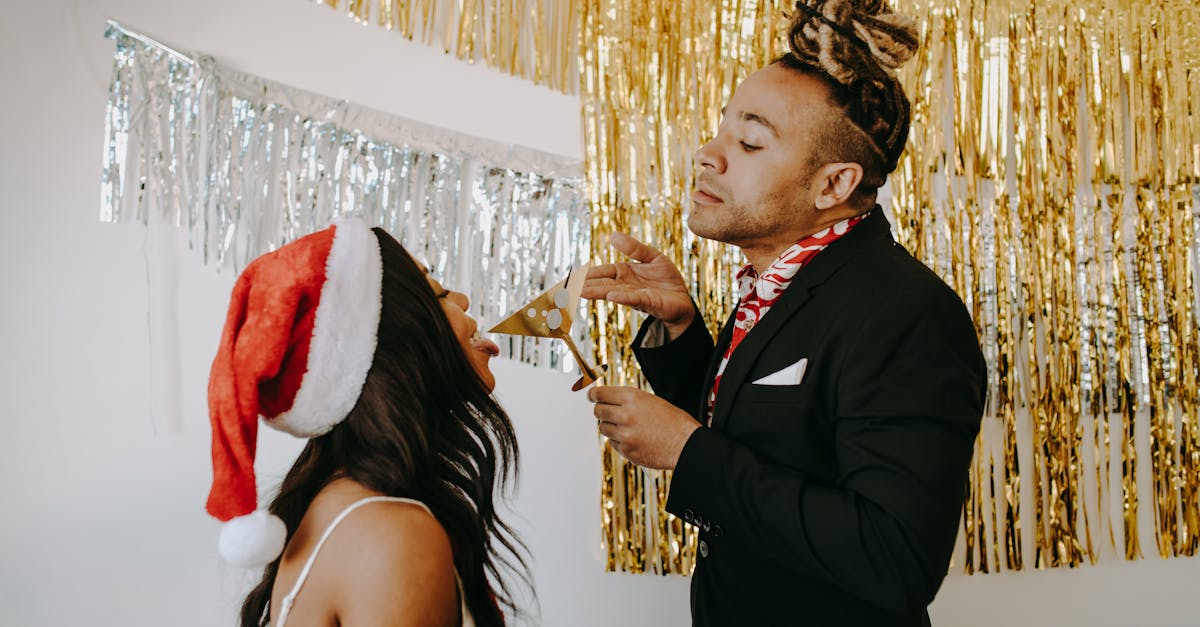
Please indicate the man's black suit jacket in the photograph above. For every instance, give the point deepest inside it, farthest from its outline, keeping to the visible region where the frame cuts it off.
(834, 502)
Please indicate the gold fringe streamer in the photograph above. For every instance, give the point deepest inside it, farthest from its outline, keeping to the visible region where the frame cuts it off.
(655, 75)
(1052, 178)
(534, 39)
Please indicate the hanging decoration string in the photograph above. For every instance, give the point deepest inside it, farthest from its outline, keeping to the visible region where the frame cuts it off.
(245, 165)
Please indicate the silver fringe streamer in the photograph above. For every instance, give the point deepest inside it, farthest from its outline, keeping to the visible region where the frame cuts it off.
(247, 165)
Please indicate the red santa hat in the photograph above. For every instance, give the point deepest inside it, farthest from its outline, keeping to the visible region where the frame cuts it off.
(299, 339)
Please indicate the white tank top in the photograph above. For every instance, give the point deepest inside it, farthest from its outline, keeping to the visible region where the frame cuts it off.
(290, 599)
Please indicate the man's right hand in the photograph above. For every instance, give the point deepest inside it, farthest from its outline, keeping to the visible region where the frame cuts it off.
(652, 284)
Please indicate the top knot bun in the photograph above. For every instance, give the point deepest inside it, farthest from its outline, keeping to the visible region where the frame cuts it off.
(859, 44)
(851, 40)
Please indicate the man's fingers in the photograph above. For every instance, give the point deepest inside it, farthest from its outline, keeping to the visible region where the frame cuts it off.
(608, 395)
(598, 288)
(602, 271)
(638, 299)
(609, 431)
(632, 248)
(609, 414)
(603, 412)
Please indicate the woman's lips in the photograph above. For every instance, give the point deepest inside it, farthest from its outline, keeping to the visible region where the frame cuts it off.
(485, 345)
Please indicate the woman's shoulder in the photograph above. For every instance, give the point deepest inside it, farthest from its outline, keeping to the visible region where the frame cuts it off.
(385, 530)
(379, 530)
(390, 558)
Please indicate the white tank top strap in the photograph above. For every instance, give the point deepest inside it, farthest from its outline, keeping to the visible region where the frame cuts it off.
(290, 599)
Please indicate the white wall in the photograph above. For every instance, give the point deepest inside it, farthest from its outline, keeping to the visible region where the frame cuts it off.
(103, 520)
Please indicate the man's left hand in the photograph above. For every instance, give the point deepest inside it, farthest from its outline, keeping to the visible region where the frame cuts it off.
(644, 428)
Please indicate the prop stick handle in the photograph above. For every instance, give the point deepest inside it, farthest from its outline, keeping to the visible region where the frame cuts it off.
(590, 372)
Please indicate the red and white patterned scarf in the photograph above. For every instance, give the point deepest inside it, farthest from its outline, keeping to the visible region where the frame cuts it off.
(759, 293)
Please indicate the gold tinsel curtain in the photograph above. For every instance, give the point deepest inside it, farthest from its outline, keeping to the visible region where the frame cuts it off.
(654, 76)
(534, 39)
(1052, 178)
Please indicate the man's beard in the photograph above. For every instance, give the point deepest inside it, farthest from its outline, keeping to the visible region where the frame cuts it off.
(734, 223)
(727, 223)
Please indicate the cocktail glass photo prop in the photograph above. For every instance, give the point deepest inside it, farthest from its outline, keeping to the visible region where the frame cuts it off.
(552, 315)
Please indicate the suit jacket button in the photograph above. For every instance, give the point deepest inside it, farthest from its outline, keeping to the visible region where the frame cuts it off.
(707, 526)
(688, 516)
(703, 548)
(717, 531)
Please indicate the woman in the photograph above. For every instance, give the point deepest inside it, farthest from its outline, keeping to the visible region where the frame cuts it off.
(387, 514)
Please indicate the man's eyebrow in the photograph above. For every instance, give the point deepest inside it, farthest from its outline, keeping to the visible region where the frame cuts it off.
(754, 117)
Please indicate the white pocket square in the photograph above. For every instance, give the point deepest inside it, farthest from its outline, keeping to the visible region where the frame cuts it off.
(792, 375)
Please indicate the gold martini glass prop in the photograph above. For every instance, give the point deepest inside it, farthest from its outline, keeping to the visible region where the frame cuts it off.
(551, 315)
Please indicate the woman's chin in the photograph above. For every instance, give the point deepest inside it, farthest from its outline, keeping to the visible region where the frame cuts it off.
(484, 370)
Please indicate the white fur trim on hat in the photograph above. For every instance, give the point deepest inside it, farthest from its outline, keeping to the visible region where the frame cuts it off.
(345, 332)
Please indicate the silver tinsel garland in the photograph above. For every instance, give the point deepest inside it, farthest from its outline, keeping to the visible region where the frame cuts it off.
(246, 165)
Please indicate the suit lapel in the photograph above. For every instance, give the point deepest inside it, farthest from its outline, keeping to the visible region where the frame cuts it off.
(793, 299)
(723, 339)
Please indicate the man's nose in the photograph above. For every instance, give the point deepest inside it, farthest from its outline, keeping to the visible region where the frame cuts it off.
(709, 156)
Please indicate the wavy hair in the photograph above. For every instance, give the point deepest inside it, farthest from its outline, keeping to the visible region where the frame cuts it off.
(425, 427)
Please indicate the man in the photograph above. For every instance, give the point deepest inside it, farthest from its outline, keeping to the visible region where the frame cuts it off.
(821, 446)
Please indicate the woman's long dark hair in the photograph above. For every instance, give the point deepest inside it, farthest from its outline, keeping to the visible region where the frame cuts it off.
(425, 427)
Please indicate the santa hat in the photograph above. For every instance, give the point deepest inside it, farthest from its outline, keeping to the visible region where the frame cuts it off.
(299, 339)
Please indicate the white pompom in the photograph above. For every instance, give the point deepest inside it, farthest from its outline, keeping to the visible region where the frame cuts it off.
(253, 540)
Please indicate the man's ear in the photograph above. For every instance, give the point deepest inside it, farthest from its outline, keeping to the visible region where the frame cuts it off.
(836, 183)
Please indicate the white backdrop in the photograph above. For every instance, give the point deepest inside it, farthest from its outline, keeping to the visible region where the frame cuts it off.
(103, 520)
